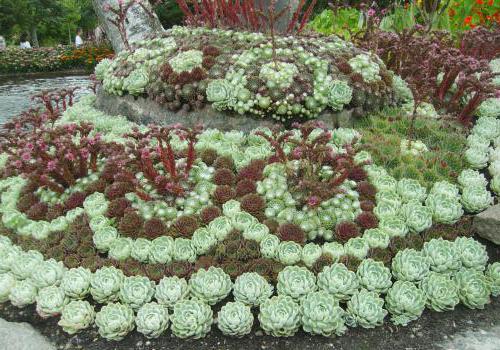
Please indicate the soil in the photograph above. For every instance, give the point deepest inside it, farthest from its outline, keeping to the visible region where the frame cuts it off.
(432, 331)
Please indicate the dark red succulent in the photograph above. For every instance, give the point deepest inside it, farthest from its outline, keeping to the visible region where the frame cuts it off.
(291, 232)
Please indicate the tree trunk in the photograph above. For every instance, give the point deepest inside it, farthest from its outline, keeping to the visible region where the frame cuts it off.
(139, 24)
(34, 36)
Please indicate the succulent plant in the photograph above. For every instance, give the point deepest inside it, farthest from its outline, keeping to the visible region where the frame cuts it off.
(338, 281)
(493, 276)
(105, 284)
(211, 285)
(269, 246)
(405, 302)
(472, 253)
(183, 250)
(152, 320)
(441, 292)
(192, 318)
(114, 321)
(365, 309)
(50, 301)
(444, 257)
(170, 290)
(26, 263)
(374, 276)
(76, 282)
(162, 250)
(252, 289)
(48, 273)
(280, 316)
(473, 288)
(7, 282)
(296, 282)
(23, 293)
(76, 316)
(235, 319)
(410, 265)
(322, 315)
(136, 291)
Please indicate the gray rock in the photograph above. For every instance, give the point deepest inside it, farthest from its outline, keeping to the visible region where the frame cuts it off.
(142, 110)
(21, 336)
(487, 224)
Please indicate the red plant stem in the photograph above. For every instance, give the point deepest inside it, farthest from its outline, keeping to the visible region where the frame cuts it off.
(306, 16)
(295, 17)
(466, 114)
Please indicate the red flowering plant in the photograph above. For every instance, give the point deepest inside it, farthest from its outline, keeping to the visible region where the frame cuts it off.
(55, 102)
(153, 154)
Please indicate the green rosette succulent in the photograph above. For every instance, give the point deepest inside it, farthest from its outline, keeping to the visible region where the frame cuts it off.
(102, 68)
(170, 290)
(441, 292)
(5, 242)
(162, 250)
(405, 302)
(469, 178)
(477, 158)
(76, 282)
(417, 217)
(76, 316)
(186, 61)
(445, 209)
(311, 252)
(184, 250)
(374, 276)
(443, 255)
(289, 252)
(334, 249)
(220, 92)
(220, 227)
(445, 188)
(269, 246)
(386, 210)
(114, 321)
(410, 265)
(136, 291)
(357, 247)
(256, 232)
(50, 301)
(296, 282)
(280, 316)
(23, 293)
(103, 237)
(231, 207)
(152, 320)
(243, 220)
(140, 249)
(337, 280)
(98, 222)
(365, 309)
(394, 226)
(376, 238)
(7, 282)
(235, 319)
(472, 253)
(476, 199)
(95, 204)
(211, 285)
(192, 318)
(492, 274)
(48, 273)
(137, 81)
(411, 190)
(474, 288)
(339, 95)
(120, 249)
(203, 240)
(385, 183)
(322, 315)
(252, 289)
(105, 284)
(26, 263)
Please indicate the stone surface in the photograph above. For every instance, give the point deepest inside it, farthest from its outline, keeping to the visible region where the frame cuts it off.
(21, 336)
(487, 224)
(145, 111)
(139, 24)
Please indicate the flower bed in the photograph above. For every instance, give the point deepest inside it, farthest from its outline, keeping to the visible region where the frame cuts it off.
(124, 226)
(15, 60)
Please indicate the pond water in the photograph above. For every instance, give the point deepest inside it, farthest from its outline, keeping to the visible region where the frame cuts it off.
(16, 91)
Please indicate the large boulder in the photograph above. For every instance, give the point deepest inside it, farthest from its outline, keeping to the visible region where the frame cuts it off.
(487, 224)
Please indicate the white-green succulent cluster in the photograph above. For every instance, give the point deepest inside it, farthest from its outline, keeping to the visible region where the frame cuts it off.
(366, 66)
(374, 276)
(211, 286)
(186, 61)
(114, 321)
(441, 291)
(152, 320)
(365, 309)
(296, 282)
(76, 316)
(280, 316)
(493, 276)
(405, 302)
(337, 280)
(322, 315)
(413, 148)
(235, 319)
(171, 290)
(192, 318)
(252, 289)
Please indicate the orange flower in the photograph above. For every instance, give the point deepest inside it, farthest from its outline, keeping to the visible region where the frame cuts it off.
(490, 3)
(479, 2)
(468, 20)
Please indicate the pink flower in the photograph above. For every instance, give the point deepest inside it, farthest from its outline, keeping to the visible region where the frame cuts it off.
(145, 153)
(371, 12)
(51, 165)
(18, 164)
(85, 153)
(26, 156)
(29, 146)
(313, 201)
(70, 156)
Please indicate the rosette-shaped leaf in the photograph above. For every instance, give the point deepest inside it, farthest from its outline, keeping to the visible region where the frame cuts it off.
(410, 265)
(357, 247)
(445, 188)
(5, 242)
(289, 252)
(115, 321)
(137, 81)
(476, 199)
(337, 280)
(152, 320)
(443, 255)
(472, 253)
(120, 249)
(405, 302)
(7, 282)
(269, 246)
(311, 253)
(418, 218)
(105, 284)
(385, 183)
(411, 190)
(23, 293)
(76, 282)
(394, 226)
(235, 319)
(231, 207)
(203, 240)
(446, 209)
(98, 222)
(376, 238)
(243, 220)
(95, 204)
(191, 319)
(162, 250)
(441, 292)
(477, 158)
(386, 210)
(220, 227)
(469, 178)
(184, 250)
(334, 249)
(170, 290)
(211, 285)
(473, 288)
(252, 289)
(256, 232)
(50, 301)
(104, 237)
(48, 273)
(280, 316)
(365, 309)
(340, 94)
(140, 249)
(296, 282)
(492, 274)
(26, 263)
(220, 92)
(322, 315)
(76, 316)
(136, 291)
(374, 276)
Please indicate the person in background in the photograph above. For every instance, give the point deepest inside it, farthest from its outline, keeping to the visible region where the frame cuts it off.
(3, 45)
(78, 38)
(25, 44)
